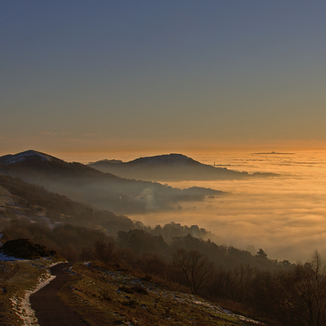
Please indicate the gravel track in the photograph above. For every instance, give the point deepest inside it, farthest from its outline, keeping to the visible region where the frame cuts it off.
(49, 309)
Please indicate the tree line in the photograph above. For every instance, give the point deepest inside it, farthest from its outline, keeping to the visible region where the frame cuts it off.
(280, 293)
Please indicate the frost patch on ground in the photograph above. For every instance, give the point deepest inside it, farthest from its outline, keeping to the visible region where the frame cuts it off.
(7, 258)
(189, 299)
(22, 306)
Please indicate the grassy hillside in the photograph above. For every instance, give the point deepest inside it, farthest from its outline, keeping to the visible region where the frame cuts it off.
(109, 295)
(106, 295)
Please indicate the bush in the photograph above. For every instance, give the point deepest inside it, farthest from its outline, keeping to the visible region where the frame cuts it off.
(24, 248)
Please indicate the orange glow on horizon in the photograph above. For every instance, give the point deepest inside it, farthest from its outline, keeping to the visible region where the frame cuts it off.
(126, 149)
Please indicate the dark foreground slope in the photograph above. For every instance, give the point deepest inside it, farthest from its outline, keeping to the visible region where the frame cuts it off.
(172, 167)
(90, 294)
(104, 296)
(103, 190)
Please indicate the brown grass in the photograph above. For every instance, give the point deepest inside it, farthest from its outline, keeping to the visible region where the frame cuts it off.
(107, 295)
(111, 296)
(16, 277)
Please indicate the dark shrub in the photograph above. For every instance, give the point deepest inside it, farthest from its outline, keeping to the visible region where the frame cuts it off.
(24, 248)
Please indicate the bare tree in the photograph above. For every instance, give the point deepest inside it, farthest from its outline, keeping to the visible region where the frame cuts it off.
(301, 294)
(316, 286)
(104, 250)
(195, 268)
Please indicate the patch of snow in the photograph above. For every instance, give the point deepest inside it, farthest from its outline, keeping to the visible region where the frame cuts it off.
(117, 277)
(70, 271)
(22, 306)
(249, 320)
(4, 257)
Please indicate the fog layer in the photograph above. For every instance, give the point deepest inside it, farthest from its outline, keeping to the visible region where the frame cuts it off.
(283, 215)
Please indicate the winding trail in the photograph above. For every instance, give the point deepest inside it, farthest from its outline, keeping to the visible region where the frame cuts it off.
(49, 309)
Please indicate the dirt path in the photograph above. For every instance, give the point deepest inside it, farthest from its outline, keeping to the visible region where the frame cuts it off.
(49, 309)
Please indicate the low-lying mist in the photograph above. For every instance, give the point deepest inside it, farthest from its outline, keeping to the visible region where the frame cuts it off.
(285, 216)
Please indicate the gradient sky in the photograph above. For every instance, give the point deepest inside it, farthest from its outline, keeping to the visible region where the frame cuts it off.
(164, 76)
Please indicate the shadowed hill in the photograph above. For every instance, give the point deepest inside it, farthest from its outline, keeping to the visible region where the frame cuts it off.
(103, 190)
(171, 167)
(40, 205)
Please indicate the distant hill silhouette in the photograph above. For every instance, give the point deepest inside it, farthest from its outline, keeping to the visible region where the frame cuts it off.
(103, 190)
(273, 153)
(170, 167)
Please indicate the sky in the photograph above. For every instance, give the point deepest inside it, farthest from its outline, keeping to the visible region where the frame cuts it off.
(162, 76)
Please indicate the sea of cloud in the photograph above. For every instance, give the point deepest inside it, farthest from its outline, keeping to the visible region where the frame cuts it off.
(284, 215)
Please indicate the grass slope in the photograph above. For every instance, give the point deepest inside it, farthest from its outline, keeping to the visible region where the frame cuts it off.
(105, 295)
(18, 279)
(114, 297)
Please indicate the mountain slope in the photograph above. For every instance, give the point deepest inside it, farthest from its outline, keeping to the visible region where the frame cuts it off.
(27, 155)
(103, 190)
(21, 199)
(170, 167)
(99, 292)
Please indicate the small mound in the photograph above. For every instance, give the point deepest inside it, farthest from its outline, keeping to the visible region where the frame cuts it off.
(24, 248)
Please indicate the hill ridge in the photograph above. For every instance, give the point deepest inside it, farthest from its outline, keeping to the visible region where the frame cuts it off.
(170, 167)
(105, 190)
(23, 156)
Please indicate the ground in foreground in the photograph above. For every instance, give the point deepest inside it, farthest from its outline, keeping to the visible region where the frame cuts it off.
(116, 297)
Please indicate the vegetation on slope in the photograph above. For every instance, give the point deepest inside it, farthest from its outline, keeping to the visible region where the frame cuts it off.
(105, 294)
(37, 201)
(276, 292)
(17, 278)
(280, 293)
(25, 249)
